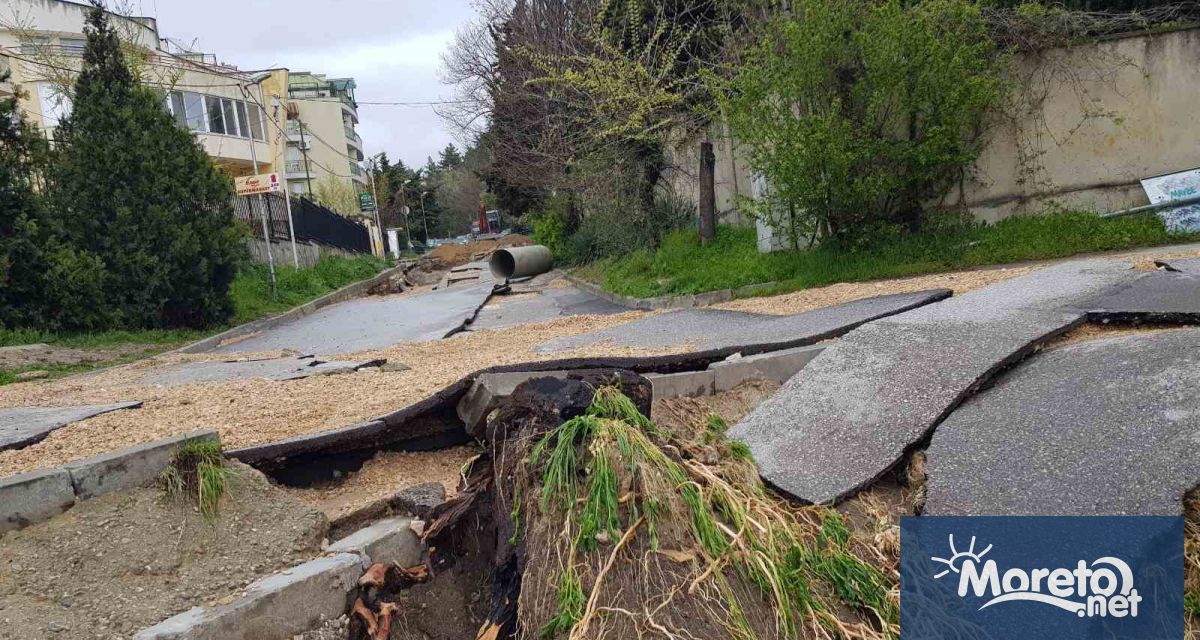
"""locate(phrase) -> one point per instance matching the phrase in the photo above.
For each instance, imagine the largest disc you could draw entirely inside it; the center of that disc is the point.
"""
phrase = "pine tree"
(23, 237)
(132, 187)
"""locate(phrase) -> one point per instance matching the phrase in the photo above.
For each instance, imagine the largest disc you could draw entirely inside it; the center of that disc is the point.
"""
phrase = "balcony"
(296, 167)
(293, 130)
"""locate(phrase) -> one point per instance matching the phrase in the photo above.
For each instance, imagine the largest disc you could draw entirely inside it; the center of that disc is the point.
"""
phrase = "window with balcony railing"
(213, 114)
(355, 170)
(295, 166)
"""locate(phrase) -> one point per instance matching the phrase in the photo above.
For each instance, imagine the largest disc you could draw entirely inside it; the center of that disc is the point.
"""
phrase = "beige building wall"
(48, 38)
(1104, 115)
(1098, 118)
(323, 141)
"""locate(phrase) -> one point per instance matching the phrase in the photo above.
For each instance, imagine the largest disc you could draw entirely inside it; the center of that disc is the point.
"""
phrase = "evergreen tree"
(23, 237)
(134, 188)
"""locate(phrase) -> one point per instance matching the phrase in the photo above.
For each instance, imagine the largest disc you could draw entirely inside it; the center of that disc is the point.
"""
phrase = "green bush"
(550, 227)
(858, 113)
(144, 226)
(608, 233)
(251, 290)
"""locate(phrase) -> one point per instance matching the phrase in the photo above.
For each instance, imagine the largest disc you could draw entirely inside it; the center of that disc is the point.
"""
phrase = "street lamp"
(425, 218)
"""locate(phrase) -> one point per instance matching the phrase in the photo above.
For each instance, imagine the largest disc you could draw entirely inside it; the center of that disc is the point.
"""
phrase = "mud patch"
(128, 560)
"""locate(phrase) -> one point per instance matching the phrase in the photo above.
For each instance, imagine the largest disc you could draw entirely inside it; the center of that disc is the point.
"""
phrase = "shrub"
(859, 113)
(608, 233)
(132, 189)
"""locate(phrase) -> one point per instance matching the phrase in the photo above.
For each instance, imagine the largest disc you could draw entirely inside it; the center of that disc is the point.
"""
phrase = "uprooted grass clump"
(197, 470)
(645, 530)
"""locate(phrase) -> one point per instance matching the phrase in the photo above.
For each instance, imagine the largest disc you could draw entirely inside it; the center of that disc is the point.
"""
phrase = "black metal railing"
(312, 222)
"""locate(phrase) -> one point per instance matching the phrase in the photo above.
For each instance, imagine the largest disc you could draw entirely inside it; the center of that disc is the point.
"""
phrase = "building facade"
(299, 124)
(323, 145)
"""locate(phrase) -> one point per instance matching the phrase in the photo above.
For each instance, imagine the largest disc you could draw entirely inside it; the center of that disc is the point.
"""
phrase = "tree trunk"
(708, 194)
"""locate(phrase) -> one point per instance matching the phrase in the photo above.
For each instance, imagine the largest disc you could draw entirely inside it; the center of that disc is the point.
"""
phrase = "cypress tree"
(131, 186)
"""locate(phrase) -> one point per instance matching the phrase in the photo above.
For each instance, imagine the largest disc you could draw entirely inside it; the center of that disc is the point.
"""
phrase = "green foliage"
(859, 113)
(197, 469)
(617, 231)
(251, 290)
(145, 222)
(550, 226)
(24, 236)
(682, 266)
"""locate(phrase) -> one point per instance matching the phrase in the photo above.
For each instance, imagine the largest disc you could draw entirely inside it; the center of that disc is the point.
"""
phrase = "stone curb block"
(687, 384)
(127, 468)
(32, 497)
(348, 292)
(276, 607)
(387, 540)
(29, 498)
(487, 391)
(775, 365)
(688, 301)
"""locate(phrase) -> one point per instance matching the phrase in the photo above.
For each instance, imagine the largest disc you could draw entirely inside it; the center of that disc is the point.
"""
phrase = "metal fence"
(313, 222)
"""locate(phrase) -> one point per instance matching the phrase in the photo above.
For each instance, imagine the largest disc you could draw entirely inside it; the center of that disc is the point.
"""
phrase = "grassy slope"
(681, 266)
(252, 299)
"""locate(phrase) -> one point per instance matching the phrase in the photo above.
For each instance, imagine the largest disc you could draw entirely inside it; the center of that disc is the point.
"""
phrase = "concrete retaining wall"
(29, 498)
(307, 252)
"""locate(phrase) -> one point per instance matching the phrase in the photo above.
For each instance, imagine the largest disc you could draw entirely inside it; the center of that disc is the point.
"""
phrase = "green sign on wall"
(366, 202)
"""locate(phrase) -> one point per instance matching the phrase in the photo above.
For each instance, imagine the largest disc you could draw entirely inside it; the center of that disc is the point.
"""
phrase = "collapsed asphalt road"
(880, 392)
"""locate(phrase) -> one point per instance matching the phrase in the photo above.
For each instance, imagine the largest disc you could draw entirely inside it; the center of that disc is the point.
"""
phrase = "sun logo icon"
(957, 558)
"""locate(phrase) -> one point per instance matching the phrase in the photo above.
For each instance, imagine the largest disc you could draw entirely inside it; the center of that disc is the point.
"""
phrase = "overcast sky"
(392, 48)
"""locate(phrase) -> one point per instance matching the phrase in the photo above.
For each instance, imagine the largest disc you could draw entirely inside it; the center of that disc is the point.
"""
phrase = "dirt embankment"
(128, 560)
(454, 255)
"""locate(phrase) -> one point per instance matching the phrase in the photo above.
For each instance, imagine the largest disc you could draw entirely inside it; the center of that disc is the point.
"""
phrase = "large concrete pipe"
(519, 262)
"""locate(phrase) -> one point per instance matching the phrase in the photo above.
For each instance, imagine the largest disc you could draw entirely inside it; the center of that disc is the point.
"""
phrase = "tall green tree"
(133, 188)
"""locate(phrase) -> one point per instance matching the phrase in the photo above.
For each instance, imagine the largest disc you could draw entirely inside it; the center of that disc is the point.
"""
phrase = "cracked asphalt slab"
(851, 414)
(1106, 427)
(270, 369)
(539, 306)
(1163, 296)
(373, 323)
(1185, 265)
(23, 426)
(707, 329)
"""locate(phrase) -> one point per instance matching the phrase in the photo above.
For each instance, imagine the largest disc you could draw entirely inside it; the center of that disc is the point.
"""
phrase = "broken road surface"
(850, 415)
(716, 329)
(1105, 427)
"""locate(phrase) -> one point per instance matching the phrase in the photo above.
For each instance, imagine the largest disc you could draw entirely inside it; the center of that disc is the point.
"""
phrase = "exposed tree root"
(596, 524)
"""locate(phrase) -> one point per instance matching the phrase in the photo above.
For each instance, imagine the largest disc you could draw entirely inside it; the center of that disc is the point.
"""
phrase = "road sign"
(366, 202)
(261, 183)
(1176, 186)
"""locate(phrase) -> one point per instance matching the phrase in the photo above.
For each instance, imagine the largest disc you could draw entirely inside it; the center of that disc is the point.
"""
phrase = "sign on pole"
(261, 183)
(366, 202)
(1176, 186)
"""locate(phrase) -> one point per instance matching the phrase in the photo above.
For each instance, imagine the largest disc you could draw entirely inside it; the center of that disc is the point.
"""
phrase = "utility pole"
(375, 196)
(266, 232)
(425, 218)
(287, 201)
(304, 150)
(708, 194)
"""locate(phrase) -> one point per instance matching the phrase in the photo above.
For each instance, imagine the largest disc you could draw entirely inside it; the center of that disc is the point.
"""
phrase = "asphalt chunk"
(1106, 427)
(851, 414)
(23, 426)
(712, 329)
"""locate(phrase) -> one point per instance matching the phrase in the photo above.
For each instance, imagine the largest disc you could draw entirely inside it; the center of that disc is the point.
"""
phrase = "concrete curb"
(688, 301)
(348, 292)
(290, 602)
(278, 606)
(30, 498)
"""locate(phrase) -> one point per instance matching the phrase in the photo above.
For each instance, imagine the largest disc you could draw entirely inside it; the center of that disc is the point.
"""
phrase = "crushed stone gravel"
(128, 560)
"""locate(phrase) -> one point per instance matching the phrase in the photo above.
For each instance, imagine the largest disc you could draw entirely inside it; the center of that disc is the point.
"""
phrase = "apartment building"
(323, 143)
(241, 118)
